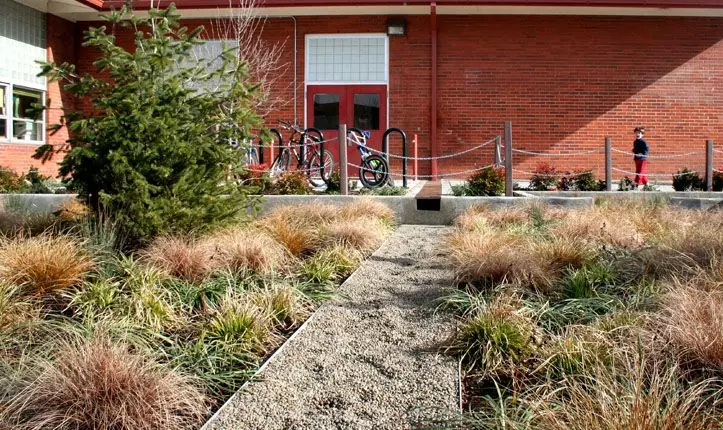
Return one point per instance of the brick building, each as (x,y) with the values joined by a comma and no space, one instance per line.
(567,73)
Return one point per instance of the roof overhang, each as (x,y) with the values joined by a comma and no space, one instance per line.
(90,10)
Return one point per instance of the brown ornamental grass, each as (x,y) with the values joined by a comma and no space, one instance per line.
(240,249)
(179,257)
(99,384)
(44,263)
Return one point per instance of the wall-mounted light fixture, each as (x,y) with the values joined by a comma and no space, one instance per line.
(396,27)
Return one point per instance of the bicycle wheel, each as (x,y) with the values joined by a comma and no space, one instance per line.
(314,168)
(374,172)
(281,163)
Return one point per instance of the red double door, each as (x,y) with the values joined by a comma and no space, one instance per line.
(360,106)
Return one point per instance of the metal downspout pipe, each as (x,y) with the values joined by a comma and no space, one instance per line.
(433,15)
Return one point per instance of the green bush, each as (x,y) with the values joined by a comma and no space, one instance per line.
(151,150)
(566,182)
(585,181)
(718,181)
(11,182)
(687,180)
(544,177)
(291,183)
(487,182)
(625,184)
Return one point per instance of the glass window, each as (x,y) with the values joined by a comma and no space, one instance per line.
(326,111)
(366,111)
(346,59)
(27,115)
(3,113)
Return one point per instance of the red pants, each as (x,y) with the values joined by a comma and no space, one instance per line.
(640,177)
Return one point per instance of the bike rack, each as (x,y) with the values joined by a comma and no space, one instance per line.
(260,150)
(385,149)
(302,150)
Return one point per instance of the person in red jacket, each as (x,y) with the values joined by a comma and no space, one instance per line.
(640,149)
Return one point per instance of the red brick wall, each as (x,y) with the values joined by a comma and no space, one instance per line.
(564,82)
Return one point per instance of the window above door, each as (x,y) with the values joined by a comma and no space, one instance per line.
(347,59)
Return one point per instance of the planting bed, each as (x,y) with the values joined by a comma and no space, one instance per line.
(607,317)
(91,337)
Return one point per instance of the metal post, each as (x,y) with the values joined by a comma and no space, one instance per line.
(321,158)
(609,163)
(498,151)
(709,165)
(343,168)
(508,159)
(415,157)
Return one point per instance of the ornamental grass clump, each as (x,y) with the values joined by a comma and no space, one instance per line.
(693,321)
(368,208)
(362,234)
(244,250)
(497,338)
(639,393)
(179,257)
(44,264)
(99,384)
(298,240)
(330,265)
(286,305)
(241,326)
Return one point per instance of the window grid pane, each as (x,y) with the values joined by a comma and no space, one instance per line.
(347,59)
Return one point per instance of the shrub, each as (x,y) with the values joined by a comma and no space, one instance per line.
(687,180)
(98,384)
(180,258)
(44,264)
(487,182)
(291,183)
(718,180)
(585,181)
(544,177)
(626,184)
(333,184)
(151,148)
(566,182)
(11,182)
(255,176)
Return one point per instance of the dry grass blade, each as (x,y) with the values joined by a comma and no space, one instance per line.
(44,263)
(97,384)
(297,240)
(180,258)
(310,214)
(72,210)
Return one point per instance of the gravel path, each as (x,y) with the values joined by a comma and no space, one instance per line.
(367,360)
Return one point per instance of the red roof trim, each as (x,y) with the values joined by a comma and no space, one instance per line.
(203,4)
(95,4)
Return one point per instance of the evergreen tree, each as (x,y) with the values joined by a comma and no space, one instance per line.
(152,147)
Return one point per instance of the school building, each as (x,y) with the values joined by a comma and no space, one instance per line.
(566,73)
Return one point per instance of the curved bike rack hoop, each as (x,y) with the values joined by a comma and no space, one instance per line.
(302,149)
(385,149)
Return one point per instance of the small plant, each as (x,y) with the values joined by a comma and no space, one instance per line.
(487,182)
(333,184)
(587,281)
(240,250)
(240,326)
(496,338)
(544,177)
(255,176)
(566,182)
(330,265)
(585,181)
(460,190)
(180,258)
(364,234)
(687,180)
(626,184)
(291,183)
(368,208)
(718,180)
(11,182)
(286,305)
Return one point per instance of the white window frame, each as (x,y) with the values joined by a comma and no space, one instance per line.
(309,37)
(9,118)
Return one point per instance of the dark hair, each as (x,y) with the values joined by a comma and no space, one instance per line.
(639,129)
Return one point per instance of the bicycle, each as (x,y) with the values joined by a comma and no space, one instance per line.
(309,158)
(374,169)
